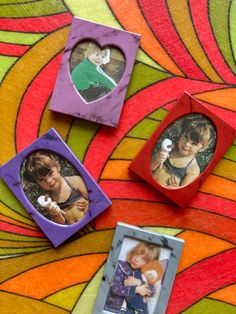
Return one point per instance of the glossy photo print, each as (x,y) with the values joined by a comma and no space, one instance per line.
(138,276)
(54,187)
(139,273)
(95,71)
(183,151)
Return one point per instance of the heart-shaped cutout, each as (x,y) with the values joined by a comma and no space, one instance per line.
(95,71)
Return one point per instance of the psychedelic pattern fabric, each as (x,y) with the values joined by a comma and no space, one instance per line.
(185,46)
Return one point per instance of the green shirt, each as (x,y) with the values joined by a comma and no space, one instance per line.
(87,74)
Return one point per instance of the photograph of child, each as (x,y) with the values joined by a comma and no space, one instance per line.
(54,187)
(95,71)
(137,280)
(183,151)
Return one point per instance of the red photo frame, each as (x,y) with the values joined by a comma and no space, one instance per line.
(185,105)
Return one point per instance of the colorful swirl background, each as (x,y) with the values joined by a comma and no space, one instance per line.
(185,46)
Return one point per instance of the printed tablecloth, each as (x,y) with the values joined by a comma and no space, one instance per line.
(185,46)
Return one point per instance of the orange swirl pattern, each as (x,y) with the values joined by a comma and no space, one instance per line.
(185,46)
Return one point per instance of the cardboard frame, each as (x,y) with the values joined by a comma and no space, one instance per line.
(66,99)
(175,245)
(225,136)
(11,174)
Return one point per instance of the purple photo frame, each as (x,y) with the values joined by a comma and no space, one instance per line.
(66,99)
(11,174)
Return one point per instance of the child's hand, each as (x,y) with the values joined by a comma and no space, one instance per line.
(159,159)
(53,209)
(132,281)
(143,290)
(173,182)
(163,155)
(81,204)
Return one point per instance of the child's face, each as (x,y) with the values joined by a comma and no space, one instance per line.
(97,57)
(151,275)
(52,181)
(188,147)
(137,261)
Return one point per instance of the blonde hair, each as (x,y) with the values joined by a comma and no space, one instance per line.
(39,164)
(153,265)
(92,48)
(149,251)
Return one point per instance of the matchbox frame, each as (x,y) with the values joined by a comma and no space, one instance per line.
(175,245)
(225,135)
(107,109)
(11,174)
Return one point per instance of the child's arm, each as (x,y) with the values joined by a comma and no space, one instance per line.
(141,289)
(158,159)
(120,289)
(77,183)
(56,213)
(52,208)
(118,286)
(162,154)
(192,173)
(80,77)
(104,79)
(173,182)
(132,281)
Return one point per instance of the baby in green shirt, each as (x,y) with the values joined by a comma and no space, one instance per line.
(88,77)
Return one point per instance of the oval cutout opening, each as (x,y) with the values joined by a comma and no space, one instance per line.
(54,187)
(183,151)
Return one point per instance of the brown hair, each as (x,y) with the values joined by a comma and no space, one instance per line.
(199,129)
(39,164)
(153,265)
(148,250)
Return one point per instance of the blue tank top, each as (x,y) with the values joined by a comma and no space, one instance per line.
(75,195)
(178,172)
